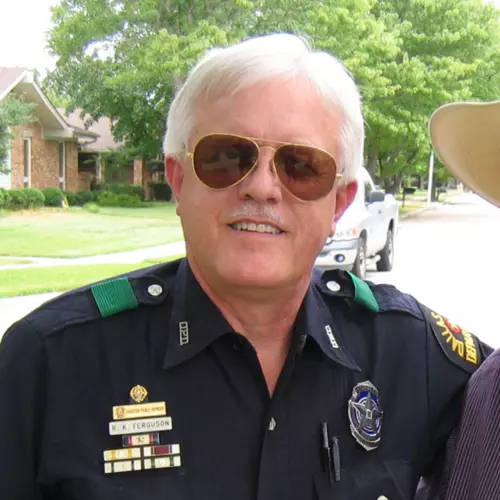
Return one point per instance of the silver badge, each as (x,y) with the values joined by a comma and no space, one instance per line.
(365,415)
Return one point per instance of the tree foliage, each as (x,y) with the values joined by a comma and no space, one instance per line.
(13,112)
(124,59)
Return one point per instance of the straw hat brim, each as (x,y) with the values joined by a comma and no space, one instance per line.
(466,137)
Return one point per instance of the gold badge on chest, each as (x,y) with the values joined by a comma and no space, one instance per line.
(139,424)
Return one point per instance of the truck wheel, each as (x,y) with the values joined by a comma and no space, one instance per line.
(387,254)
(359,266)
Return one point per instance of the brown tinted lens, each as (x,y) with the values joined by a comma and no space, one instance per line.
(308,173)
(222,160)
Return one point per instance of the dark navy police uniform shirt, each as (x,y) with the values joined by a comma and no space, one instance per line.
(139,388)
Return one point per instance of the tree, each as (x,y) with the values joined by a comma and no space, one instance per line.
(448,51)
(13,112)
(125,59)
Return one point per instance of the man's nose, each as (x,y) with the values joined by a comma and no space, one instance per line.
(263,184)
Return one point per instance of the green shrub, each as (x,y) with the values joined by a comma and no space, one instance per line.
(119,188)
(72,198)
(54,197)
(18,200)
(161,191)
(92,208)
(130,189)
(7,200)
(2,198)
(34,198)
(98,186)
(110,199)
(86,197)
(81,198)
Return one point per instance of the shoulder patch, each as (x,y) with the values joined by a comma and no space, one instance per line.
(460,346)
(114,296)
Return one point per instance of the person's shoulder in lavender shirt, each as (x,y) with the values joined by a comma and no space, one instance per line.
(466,137)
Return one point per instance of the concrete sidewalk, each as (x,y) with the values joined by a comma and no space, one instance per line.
(129,257)
(13,309)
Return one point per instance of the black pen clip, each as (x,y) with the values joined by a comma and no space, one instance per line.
(326,450)
(336,458)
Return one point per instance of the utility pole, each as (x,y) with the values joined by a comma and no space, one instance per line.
(431,177)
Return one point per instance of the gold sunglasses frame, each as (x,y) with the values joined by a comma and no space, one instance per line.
(254,166)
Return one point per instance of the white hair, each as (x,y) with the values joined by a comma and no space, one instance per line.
(226,71)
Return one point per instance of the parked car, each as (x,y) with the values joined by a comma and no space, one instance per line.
(365,232)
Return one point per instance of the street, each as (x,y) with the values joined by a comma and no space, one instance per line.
(445,257)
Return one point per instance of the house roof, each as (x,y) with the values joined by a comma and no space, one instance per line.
(9,78)
(102,128)
(21,82)
(97,136)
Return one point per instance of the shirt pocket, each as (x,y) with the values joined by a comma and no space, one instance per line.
(377,479)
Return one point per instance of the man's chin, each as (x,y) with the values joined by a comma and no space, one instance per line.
(258,274)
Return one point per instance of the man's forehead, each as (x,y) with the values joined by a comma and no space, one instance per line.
(271,116)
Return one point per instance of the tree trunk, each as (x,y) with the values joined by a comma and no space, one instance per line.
(392,184)
(398,181)
(371,164)
(434,193)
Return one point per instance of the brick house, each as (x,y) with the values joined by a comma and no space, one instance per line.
(57,150)
(44,153)
(89,164)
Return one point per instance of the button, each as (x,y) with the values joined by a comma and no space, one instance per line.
(272,424)
(382,497)
(333,286)
(155,290)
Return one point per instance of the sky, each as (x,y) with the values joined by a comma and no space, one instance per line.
(23,28)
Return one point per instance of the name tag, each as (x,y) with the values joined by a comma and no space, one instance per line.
(140,426)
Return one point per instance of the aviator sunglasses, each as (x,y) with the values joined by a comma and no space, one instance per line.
(222,161)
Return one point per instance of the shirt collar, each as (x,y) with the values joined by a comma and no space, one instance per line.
(316,322)
(195,321)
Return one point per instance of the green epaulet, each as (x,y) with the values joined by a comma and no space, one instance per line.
(363,294)
(346,285)
(142,287)
(114,296)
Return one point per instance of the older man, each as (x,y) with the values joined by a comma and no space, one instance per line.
(240,372)
(466,136)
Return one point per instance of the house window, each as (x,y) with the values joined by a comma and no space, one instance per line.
(62,165)
(27,162)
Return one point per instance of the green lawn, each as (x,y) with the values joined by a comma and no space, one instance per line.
(28,281)
(77,233)
(411,206)
(156,210)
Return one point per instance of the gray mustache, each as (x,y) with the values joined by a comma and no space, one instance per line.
(259,211)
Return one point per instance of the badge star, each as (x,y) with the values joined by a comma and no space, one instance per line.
(369,413)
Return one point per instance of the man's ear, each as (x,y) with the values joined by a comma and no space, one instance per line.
(343,198)
(175,175)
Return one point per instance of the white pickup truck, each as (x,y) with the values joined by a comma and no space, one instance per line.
(364,233)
